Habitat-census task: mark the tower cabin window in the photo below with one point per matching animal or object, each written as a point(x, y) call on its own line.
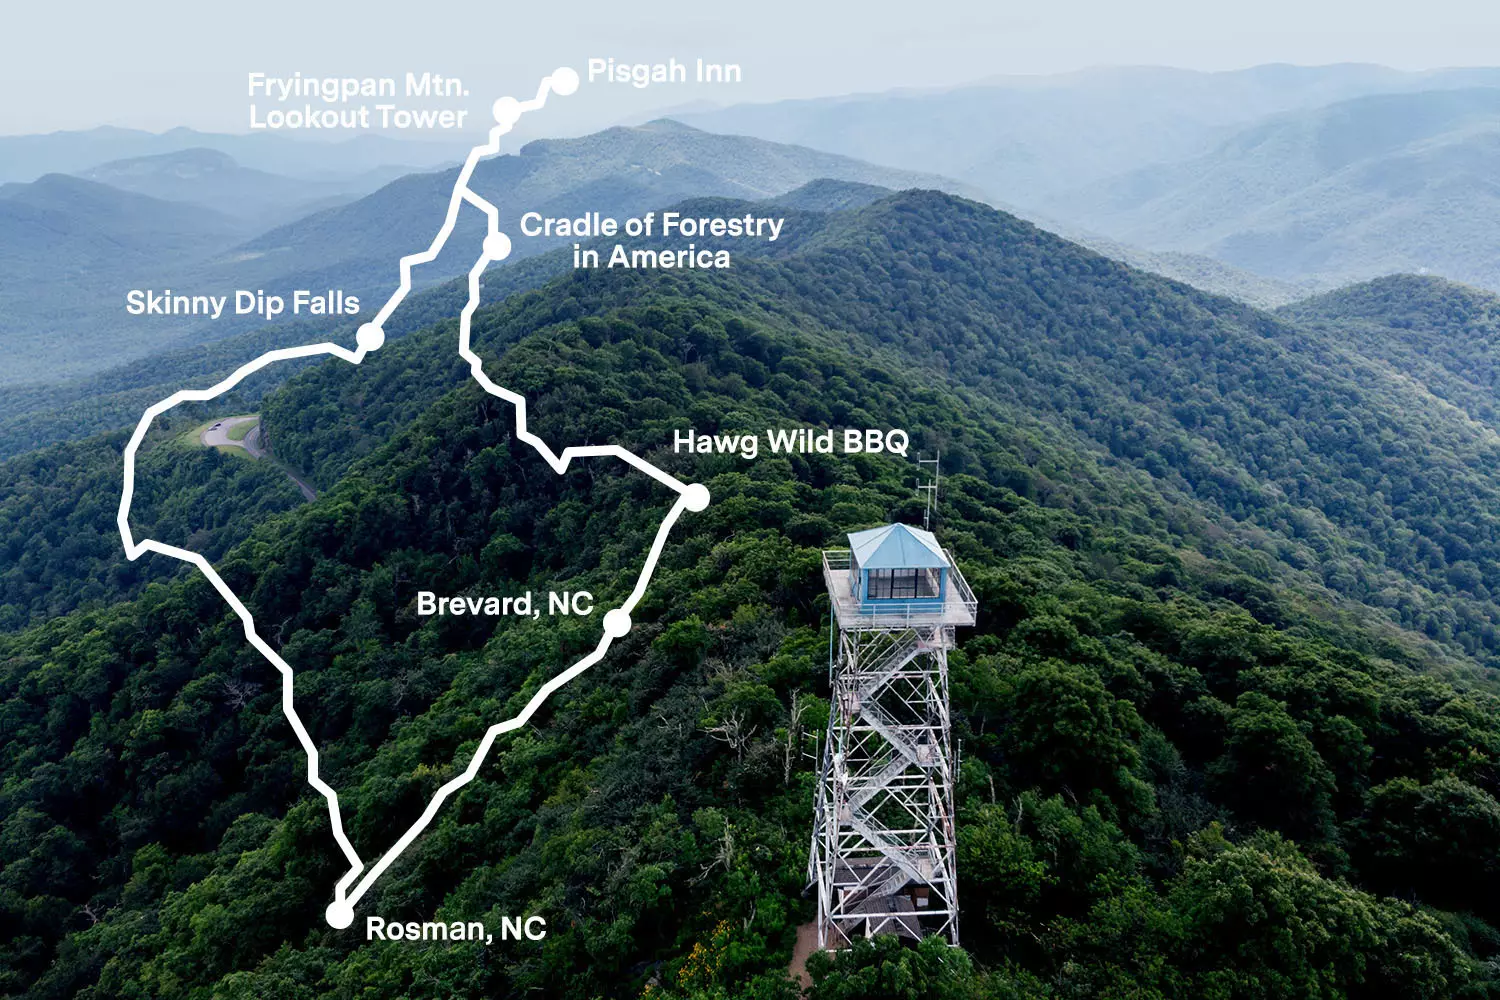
point(902, 584)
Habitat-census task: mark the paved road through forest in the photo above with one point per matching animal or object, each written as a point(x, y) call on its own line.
point(216, 435)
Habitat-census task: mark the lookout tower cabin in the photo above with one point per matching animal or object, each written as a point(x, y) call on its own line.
point(896, 575)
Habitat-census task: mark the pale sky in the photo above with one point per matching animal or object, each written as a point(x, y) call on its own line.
point(159, 64)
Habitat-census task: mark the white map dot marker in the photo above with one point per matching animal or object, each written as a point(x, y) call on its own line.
point(340, 914)
point(370, 337)
point(695, 497)
point(507, 111)
point(616, 623)
point(497, 246)
point(564, 81)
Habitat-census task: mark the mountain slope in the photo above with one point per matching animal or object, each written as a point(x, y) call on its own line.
point(213, 179)
point(71, 249)
point(58, 548)
point(1444, 335)
point(355, 246)
point(1358, 472)
point(36, 415)
point(1387, 183)
point(57, 207)
point(618, 172)
point(1024, 140)
point(24, 158)
point(1167, 719)
point(1272, 425)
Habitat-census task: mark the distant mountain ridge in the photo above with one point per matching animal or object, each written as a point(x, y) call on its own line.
point(356, 246)
point(618, 172)
point(215, 180)
point(1307, 177)
point(1023, 140)
point(32, 416)
point(624, 170)
point(1396, 182)
point(70, 248)
point(27, 157)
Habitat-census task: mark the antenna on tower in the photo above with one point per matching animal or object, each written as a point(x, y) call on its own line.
point(929, 488)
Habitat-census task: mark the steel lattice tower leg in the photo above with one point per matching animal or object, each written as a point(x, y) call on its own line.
point(883, 845)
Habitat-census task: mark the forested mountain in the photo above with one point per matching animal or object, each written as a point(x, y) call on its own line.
point(1201, 272)
point(47, 236)
point(215, 180)
point(37, 415)
point(1228, 722)
point(70, 249)
point(59, 549)
point(1394, 182)
point(1445, 335)
point(617, 172)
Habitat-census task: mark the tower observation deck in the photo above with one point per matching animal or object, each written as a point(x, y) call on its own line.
point(883, 842)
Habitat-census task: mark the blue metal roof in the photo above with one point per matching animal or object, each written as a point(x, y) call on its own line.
point(896, 546)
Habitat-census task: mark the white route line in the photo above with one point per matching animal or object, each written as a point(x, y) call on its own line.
point(370, 337)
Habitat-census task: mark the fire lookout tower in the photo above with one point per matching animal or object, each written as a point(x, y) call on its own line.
point(883, 839)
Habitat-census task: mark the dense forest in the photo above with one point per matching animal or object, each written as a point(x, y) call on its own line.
point(59, 547)
point(1443, 333)
point(1228, 719)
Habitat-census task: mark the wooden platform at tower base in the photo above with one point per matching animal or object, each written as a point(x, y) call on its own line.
point(871, 919)
point(903, 913)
